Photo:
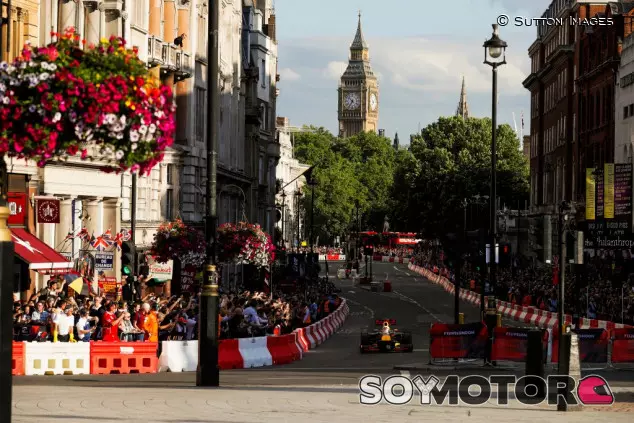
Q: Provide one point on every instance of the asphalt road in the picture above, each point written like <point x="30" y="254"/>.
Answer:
<point x="415" y="304"/>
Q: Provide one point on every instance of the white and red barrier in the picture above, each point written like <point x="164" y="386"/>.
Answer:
<point x="245" y="353"/>
<point x="389" y="259"/>
<point x="528" y="315"/>
<point x="332" y="257"/>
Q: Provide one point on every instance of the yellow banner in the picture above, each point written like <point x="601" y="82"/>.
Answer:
<point x="608" y="191"/>
<point x="590" y="194"/>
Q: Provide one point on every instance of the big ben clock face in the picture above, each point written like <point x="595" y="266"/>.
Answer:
<point x="352" y="101"/>
<point x="373" y="102"/>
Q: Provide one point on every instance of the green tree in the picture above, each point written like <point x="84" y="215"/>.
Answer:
<point x="451" y="162"/>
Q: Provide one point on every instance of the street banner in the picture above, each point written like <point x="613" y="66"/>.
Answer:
<point x="623" y="345"/>
<point x="590" y="195"/>
<point x="623" y="192"/>
<point x="458" y="341"/>
<point x="511" y="344"/>
<point x="608" y="191"/>
<point x="593" y="345"/>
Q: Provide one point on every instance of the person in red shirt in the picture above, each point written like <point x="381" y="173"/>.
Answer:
<point x="111" y="323"/>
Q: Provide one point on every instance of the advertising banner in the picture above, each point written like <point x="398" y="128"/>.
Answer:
<point x="457" y="341"/>
<point x="600" y="185"/>
<point x="593" y="345"/>
<point x="511" y="344"/>
<point x="109" y="286"/>
<point x="623" y="192"/>
<point x="160" y="271"/>
<point x="608" y="191"/>
<point x="623" y="345"/>
<point x="17" y="208"/>
<point x="188" y="279"/>
<point x="590" y="194"/>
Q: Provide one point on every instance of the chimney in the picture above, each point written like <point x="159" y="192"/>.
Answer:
<point x="281" y="122"/>
<point x="271" y="28"/>
<point x="381" y="132"/>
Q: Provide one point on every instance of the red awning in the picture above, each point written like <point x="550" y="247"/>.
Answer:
<point x="39" y="256"/>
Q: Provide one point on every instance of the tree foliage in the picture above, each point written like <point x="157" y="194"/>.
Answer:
<point x="420" y="189"/>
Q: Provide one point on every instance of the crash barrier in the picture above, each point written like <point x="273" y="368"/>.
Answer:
<point x="593" y="346"/>
<point x="56" y="358"/>
<point x="451" y="341"/>
<point x="332" y="257"/>
<point x="511" y="344"/>
<point x="123" y="357"/>
<point x="529" y="315"/>
<point x="244" y="353"/>
<point x="388" y="259"/>
<point x="622" y="345"/>
<point x="17" y="359"/>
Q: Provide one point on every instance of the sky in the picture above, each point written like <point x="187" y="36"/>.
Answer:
<point x="419" y="50"/>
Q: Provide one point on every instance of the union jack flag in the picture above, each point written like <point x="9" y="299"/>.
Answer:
<point x="125" y="235"/>
<point x="83" y="234"/>
<point x="118" y="239"/>
<point x="107" y="234"/>
<point x="69" y="235"/>
<point x="100" y="243"/>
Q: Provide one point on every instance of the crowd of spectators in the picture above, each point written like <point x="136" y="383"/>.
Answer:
<point x="600" y="294"/>
<point x="53" y="315"/>
<point x="401" y="251"/>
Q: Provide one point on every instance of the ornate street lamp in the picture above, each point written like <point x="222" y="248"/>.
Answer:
<point x="494" y="56"/>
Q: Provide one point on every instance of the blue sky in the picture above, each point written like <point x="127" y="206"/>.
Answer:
<point x="419" y="49"/>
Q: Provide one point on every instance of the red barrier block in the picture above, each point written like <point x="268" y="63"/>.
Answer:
<point x="17" y="359"/>
<point x="280" y="349"/>
<point x="511" y="344"/>
<point x="458" y="341"/>
<point x="302" y="339"/>
<point x="123" y="357"/>
<point x="295" y="347"/>
<point x="229" y="356"/>
<point x="593" y="345"/>
<point x="623" y="345"/>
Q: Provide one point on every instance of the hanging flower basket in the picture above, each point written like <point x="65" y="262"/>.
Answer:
<point x="245" y="243"/>
<point x="97" y="103"/>
<point x="175" y="240"/>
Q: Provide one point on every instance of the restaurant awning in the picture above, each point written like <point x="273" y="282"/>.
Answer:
<point x="39" y="256"/>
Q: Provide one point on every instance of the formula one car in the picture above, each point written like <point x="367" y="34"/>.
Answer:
<point x="386" y="338"/>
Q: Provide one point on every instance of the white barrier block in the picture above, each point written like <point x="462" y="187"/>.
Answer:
<point x="178" y="356"/>
<point x="341" y="273"/>
<point x="255" y="352"/>
<point x="59" y="358"/>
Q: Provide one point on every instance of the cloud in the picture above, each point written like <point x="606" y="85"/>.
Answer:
<point x="288" y="74"/>
<point x="334" y="70"/>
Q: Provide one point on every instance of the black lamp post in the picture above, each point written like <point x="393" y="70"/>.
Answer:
<point x="208" y="373"/>
<point x="298" y="196"/>
<point x="283" y="218"/>
<point x="312" y="184"/>
<point x="494" y="56"/>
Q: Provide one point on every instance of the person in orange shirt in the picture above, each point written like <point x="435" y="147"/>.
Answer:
<point x="150" y="324"/>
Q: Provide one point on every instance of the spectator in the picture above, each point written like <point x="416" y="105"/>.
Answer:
<point x="110" y="323"/>
<point x="128" y="331"/>
<point x="40" y="314"/>
<point x="64" y="323"/>
<point x="150" y="323"/>
<point x="84" y="330"/>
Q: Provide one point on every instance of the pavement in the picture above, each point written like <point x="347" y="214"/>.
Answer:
<point x="321" y="387"/>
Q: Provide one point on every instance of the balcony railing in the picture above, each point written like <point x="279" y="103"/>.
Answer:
<point x="183" y="65"/>
<point x="168" y="54"/>
<point x="155" y="51"/>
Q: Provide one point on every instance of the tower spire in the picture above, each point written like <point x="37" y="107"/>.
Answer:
<point x="463" y="107"/>
<point x="359" y="42"/>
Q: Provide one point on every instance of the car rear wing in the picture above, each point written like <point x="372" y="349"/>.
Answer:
<point x="379" y="322"/>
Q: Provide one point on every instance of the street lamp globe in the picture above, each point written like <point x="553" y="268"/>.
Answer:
<point x="495" y="48"/>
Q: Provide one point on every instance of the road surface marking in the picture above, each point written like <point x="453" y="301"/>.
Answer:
<point x="399" y="270"/>
<point x="406" y="298"/>
<point x="352" y="302"/>
<point x="351" y="292"/>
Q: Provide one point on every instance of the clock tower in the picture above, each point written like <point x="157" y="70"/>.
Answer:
<point x="358" y="93"/>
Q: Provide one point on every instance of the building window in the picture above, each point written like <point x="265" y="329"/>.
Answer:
<point x="263" y="73"/>
<point x="199" y="116"/>
<point x="169" y="204"/>
<point x="631" y="106"/>
<point x="261" y="170"/>
<point x="170" y="174"/>
<point x="201" y="45"/>
<point x="140" y="13"/>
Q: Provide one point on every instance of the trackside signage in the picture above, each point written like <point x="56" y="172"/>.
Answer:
<point x="480" y="390"/>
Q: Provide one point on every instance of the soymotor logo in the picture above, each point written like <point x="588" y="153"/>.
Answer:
<point x="478" y="390"/>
